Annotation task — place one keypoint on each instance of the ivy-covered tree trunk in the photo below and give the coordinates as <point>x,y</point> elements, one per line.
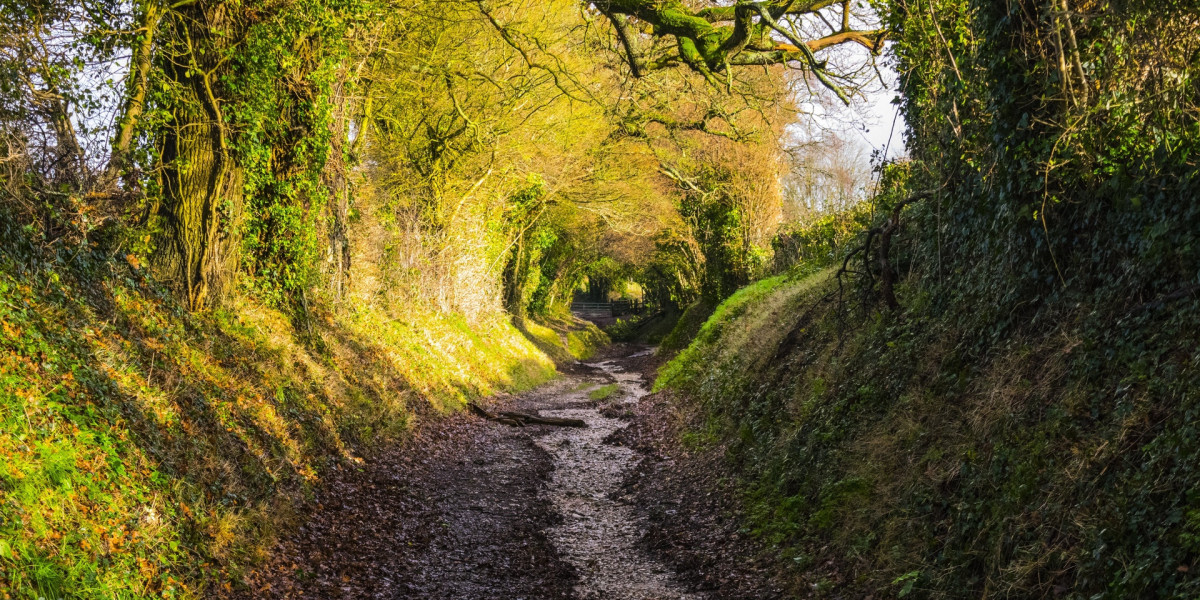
<point>200,182</point>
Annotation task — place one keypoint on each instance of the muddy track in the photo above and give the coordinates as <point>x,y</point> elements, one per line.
<point>474,509</point>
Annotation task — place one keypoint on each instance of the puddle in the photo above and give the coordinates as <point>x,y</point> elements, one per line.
<point>598,535</point>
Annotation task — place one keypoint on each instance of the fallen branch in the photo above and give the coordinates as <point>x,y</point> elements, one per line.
<point>521,419</point>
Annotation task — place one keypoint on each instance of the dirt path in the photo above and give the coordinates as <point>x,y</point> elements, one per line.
<point>599,532</point>
<point>475,509</point>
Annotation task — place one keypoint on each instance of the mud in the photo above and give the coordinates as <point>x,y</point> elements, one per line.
<point>599,532</point>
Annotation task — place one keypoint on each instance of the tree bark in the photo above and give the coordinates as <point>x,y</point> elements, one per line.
<point>521,419</point>
<point>201,185</point>
<point>710,39</point>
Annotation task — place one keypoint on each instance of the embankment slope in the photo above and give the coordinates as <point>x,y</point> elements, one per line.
<point>148,451</point>
<point>920,453</point>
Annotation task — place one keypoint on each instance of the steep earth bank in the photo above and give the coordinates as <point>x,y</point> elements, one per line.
<point>936,452</point>
<point>149,451</point>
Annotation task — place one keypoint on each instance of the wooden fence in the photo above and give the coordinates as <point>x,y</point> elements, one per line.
<point>614,309</point>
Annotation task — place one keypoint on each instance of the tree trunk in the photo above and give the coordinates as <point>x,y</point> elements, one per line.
<point>335,179</point>
<point>515,273</point>
<point>201,185</point>
<point>195,253</point>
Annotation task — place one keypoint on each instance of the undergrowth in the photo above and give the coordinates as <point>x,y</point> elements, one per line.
<point>687,326</point>
<point>603,392</point>
<point>650,328</point>
<point>924,453</point>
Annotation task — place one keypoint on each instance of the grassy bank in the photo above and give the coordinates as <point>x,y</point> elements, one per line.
<point>149,452</point>
<point>686,325</point>
<point>563,336</point>
<point>946,453</point>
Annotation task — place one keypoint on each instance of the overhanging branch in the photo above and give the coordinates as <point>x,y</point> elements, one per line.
<point>713,38</point>
<point>621,25</point>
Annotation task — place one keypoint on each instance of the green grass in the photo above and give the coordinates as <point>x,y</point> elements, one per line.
<point>694,358</point>
<point>702,438</point>
<point>603,392</point>
<point>563,337</point>
<point>686,326</point>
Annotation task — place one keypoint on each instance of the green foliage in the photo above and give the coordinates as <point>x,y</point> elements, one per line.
<point>1065,146</point>
<point>996,434</point>
<point>562,337</point>
<point>705,325</point>
<point>1022,423</point>
<point>280,88</point>
<point>730,260</point>
<point>560,269</point>
<point>702,438</point>
<point>687,326</point>
<point>671,278</point>
<point>648,328</point>
<point>822,242</point>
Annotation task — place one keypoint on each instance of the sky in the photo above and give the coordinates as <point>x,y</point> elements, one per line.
<point>873,122</point>
<point>883,122</point>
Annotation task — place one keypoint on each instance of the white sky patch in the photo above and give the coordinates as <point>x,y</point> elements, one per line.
<point>834,149</point>
<point>883,129</point>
